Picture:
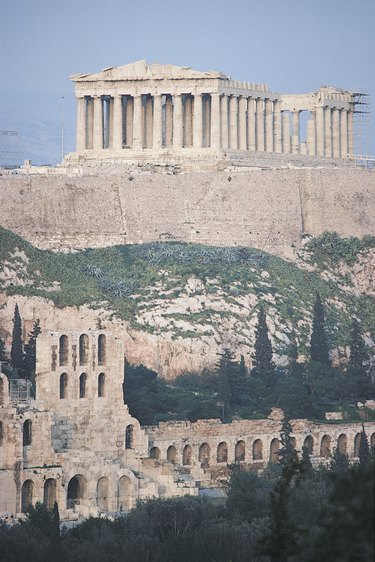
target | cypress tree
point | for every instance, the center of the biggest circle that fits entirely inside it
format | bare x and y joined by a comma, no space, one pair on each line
306,466
287,452
16,353
3,356
264,367
318,342
364,448
29,359
358,351
225,369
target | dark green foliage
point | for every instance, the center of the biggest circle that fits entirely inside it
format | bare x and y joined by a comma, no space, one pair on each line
339,461
306,466
329,248
358,351
3,356
318,342
247,495
29,358
263,366
364,449
16,352
287,453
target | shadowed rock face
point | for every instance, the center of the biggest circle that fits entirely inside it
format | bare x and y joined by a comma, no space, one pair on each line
266,209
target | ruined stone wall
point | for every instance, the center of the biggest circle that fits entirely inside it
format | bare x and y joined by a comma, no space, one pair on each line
269,209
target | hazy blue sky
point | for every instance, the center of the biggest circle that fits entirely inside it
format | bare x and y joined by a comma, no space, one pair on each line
293,45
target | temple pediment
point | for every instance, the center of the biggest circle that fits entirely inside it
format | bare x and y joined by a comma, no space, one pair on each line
141,70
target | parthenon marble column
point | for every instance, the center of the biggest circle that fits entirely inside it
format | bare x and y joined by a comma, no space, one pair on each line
168,121
286,132
81,124
149,115
188,125
157,132
117,122
215,121
259,116
351,132
177,121
137,123
277,126
268,106
344,133
98,123
224,121
251,132
311,148
336,133
233,122
296,132
319,124
328,132
242,132
198,124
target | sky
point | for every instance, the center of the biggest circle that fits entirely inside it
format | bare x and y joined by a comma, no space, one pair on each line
295,46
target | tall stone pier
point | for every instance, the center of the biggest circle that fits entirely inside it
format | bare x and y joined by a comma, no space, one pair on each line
145,111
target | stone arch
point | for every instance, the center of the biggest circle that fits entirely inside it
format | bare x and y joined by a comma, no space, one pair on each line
49,493
186,455
102,349
325,446
309,444
124,496
222,452
63,386
102,493
63,350
257,450
357,443
154,453
372,441
27,433
27,491
1,433
171,453
2,391
342,444
82,385
274,449
239,451
83,349
101,385
204,454
76,490
129,436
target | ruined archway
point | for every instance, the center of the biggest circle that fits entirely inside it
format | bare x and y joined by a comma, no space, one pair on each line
49,493
63,386
27,495
357,443
325,447
257,450
171,453
204,454
186,455
129,436
76,490
239,451
342,444
274,449
63,350
82,385
27,433
309,444
83,349
101,385
102,493
222,452
154,453
102,349
124,501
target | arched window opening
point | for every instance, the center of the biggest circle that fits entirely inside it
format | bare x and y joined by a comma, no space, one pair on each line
83,349
129,436
204,454
63,350
49,493
102,494
274,448
101,385
154,453
27,495
239,451
27,433
63,385
342,444
357,443
124,493
257,450
325,447
76,490
1,433
171,454
1,391
82,385
102,349
222,452
309,444
186,455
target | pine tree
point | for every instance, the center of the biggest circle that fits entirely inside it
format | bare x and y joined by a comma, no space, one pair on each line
224,371
264,367
318,342
16,353
29,358
364,448
358,351
3,356
287,452
238,382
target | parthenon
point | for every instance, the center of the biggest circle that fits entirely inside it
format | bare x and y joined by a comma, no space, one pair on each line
164,109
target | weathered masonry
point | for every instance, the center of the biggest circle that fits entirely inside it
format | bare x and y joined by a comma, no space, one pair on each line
77,444
123,111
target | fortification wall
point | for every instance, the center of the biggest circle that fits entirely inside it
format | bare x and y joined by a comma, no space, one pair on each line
268,209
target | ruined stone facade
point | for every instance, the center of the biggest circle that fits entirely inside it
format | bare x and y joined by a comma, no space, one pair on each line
165,111
76,442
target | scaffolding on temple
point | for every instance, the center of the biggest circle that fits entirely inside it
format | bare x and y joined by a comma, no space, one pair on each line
362,128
